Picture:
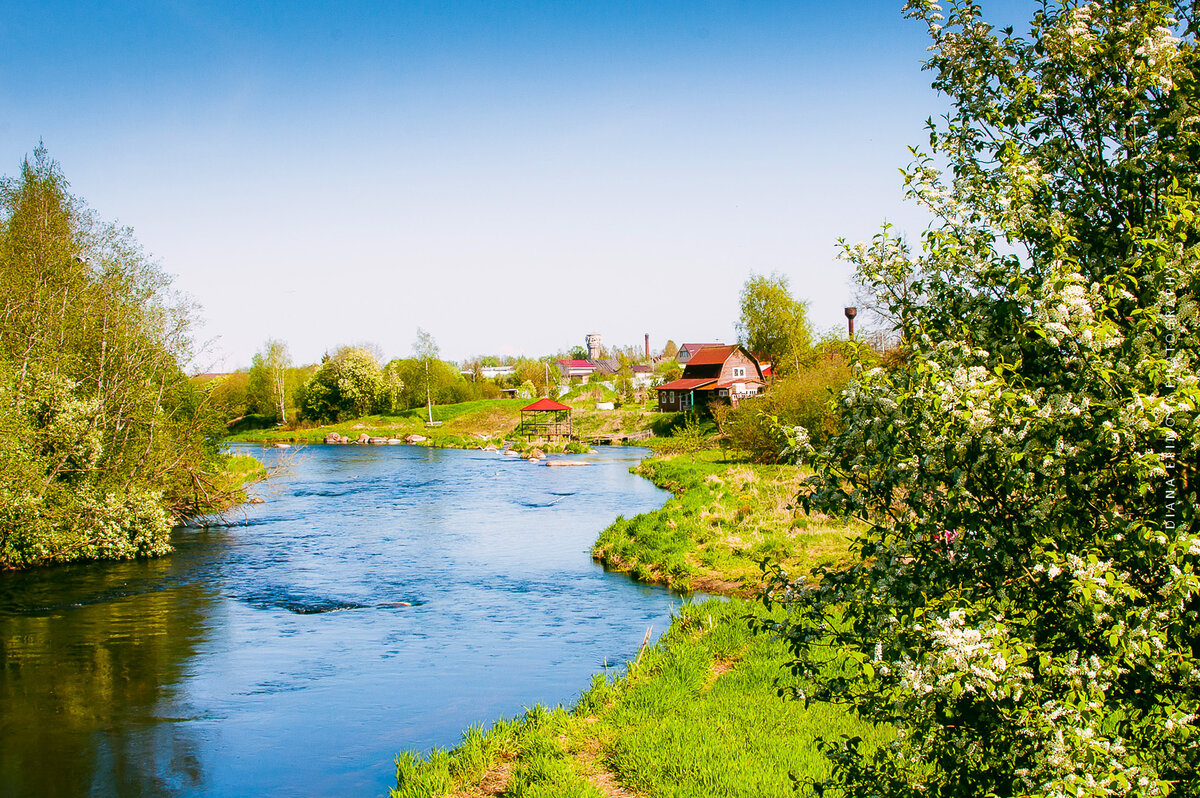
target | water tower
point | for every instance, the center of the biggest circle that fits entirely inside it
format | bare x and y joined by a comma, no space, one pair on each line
593,346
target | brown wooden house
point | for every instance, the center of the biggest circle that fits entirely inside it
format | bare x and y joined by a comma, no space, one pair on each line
713,374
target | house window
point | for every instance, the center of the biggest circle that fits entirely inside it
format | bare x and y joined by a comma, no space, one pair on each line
739,371
724,392
670,397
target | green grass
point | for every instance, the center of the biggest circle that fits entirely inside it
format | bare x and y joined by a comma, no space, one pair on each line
722,521
464,425
696,714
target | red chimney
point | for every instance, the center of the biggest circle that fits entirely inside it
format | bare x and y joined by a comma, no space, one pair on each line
647,346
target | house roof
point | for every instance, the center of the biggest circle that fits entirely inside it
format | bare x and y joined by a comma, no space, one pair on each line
608,365
544,404
711,355
639,368
687,384
692,349
576,364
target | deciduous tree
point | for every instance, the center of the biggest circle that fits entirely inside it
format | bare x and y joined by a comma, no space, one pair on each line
1024,607
106,441
773,325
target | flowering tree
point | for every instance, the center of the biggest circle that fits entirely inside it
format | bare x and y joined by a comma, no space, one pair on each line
1023,609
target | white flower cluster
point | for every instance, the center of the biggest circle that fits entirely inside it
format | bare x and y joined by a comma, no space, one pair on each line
1086,36
1067,312
966,659
1160,48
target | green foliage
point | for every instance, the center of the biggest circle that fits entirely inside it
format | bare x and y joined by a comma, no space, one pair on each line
688,439
773,325
271,381
347,385
1024,608
759,426
667,371
104,441
446,385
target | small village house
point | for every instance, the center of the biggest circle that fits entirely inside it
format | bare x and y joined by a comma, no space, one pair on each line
713,374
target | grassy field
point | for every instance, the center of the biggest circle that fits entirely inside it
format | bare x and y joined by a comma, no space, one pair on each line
723,520
695,715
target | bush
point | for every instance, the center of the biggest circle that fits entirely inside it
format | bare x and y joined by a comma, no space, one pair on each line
1025,605
809,399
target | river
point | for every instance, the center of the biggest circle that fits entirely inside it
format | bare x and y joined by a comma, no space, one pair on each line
272,654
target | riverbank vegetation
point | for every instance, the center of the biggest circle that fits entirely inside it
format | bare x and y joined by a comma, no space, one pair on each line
724,519
1023,607
695,714
104,442
462,425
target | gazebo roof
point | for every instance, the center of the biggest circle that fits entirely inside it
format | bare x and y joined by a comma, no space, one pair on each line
544,404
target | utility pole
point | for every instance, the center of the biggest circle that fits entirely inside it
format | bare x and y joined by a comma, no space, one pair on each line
428,398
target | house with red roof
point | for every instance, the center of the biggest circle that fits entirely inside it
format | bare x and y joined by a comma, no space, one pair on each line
713,374
687,351
576,368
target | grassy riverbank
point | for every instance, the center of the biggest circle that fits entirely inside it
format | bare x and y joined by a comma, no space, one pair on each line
698,712
227,486
464,425
724,518
467,425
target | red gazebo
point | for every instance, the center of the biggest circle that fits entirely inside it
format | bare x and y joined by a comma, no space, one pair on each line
545,418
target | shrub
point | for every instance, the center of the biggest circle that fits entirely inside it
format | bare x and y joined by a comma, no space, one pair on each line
1025,606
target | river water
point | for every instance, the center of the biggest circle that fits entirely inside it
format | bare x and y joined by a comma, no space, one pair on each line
272,654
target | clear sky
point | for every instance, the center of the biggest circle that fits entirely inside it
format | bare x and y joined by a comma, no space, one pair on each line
508,176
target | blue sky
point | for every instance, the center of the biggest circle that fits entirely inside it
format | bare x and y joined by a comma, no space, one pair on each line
508,176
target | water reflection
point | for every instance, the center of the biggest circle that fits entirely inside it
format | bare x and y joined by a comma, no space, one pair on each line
88,658
381,599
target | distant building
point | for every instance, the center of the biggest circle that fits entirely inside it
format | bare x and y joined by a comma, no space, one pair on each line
576,368
714,373
584,369
489,372
643,376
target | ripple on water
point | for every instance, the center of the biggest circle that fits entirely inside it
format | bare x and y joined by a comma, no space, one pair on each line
382,599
